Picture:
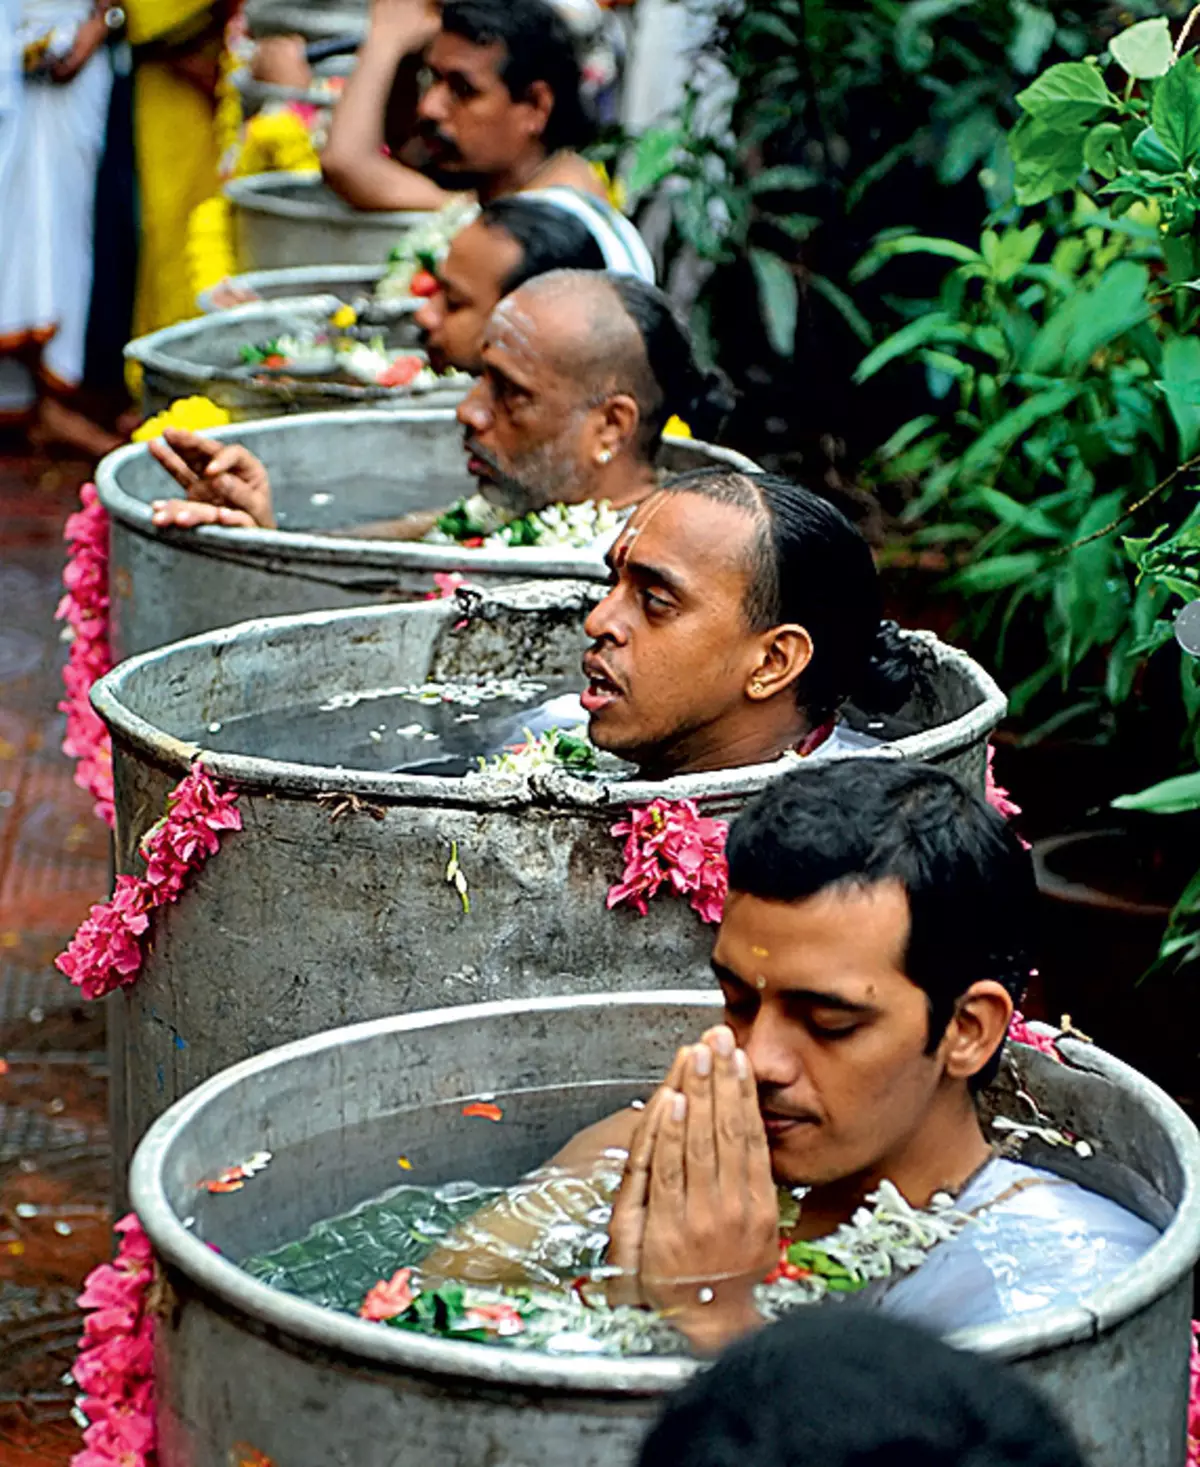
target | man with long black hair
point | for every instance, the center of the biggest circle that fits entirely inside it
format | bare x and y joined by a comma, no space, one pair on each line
495,109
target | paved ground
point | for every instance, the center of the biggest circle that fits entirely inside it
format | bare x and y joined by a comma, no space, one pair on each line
54,1222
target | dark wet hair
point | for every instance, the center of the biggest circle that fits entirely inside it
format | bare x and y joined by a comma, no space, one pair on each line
679,385
538,46
550,238
846,1387
972,898
812,567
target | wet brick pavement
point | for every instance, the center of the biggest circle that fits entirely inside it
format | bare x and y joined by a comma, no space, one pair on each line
54,1219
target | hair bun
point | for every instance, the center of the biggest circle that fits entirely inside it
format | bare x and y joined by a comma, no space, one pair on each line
888,681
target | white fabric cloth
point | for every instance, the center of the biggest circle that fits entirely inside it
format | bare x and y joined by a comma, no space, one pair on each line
1050,1244
51,137
623,248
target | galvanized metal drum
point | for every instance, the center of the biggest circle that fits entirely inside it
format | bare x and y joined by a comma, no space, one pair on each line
333,902
293,219
333,1110
346,282
329,472
203,357
315,20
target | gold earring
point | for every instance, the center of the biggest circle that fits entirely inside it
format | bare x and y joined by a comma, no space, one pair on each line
756,686
604,456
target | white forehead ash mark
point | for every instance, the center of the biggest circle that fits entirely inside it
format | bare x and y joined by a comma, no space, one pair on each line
511,327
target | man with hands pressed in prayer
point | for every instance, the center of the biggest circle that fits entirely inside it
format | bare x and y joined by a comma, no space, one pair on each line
876,930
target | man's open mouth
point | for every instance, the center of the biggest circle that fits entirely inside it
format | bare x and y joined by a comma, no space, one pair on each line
602,690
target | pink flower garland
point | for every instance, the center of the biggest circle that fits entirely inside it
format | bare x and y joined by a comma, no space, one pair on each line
115,1365
84,607
670,843
1019,1032
106,952
1194,1401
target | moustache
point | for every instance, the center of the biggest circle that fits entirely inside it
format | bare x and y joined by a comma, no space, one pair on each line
437,141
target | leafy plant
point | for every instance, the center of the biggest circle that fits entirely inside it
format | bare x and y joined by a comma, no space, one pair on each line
1062,352
807,128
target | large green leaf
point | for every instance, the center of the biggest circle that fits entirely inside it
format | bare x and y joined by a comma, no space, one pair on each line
1181,388
779,299
1175,110
843,305
1145,49
1046,160
911,244
1170,797
990,447
1033,38
1090,319
914,45
786,176
654,159
998,572
1073,84
1024,517
937,326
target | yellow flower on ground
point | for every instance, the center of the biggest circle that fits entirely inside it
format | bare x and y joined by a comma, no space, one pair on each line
194,413
343,317
677,428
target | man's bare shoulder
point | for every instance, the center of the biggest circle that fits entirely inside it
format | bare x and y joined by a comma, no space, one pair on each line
569,170
586,1147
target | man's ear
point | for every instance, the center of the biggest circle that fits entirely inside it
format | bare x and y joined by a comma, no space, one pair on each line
539,98
979,1024
785,652
612,428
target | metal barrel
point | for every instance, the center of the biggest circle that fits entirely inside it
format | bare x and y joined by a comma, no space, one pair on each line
293,219
345,282
329,471
315,20
202,357
335,1109
332,903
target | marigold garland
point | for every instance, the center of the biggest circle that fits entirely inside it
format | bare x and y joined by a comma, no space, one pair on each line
197,414
115,1365
84,608
278,142
107,951
669,843
208,249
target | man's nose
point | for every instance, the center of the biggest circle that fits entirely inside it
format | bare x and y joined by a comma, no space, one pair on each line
604,622
475,411
431,313
431,107
775,1062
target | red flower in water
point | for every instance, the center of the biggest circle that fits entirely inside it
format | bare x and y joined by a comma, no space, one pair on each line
483,1110
389,1298
446,582
670,843
500,1318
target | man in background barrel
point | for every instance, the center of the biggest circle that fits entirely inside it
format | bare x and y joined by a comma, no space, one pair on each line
477,95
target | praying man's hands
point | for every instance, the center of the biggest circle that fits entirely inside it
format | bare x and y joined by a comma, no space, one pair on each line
696,1223
224,482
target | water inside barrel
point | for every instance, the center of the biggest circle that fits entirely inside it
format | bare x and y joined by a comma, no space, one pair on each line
442,732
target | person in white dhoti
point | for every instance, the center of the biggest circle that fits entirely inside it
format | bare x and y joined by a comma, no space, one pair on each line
54,92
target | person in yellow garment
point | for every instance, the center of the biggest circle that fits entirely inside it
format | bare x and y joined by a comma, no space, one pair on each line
177,45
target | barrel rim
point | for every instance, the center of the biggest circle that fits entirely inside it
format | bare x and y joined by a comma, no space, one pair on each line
259,193
555,789
293,275
228,542
1164,1265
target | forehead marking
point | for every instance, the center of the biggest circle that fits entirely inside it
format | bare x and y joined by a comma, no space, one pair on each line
639,520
